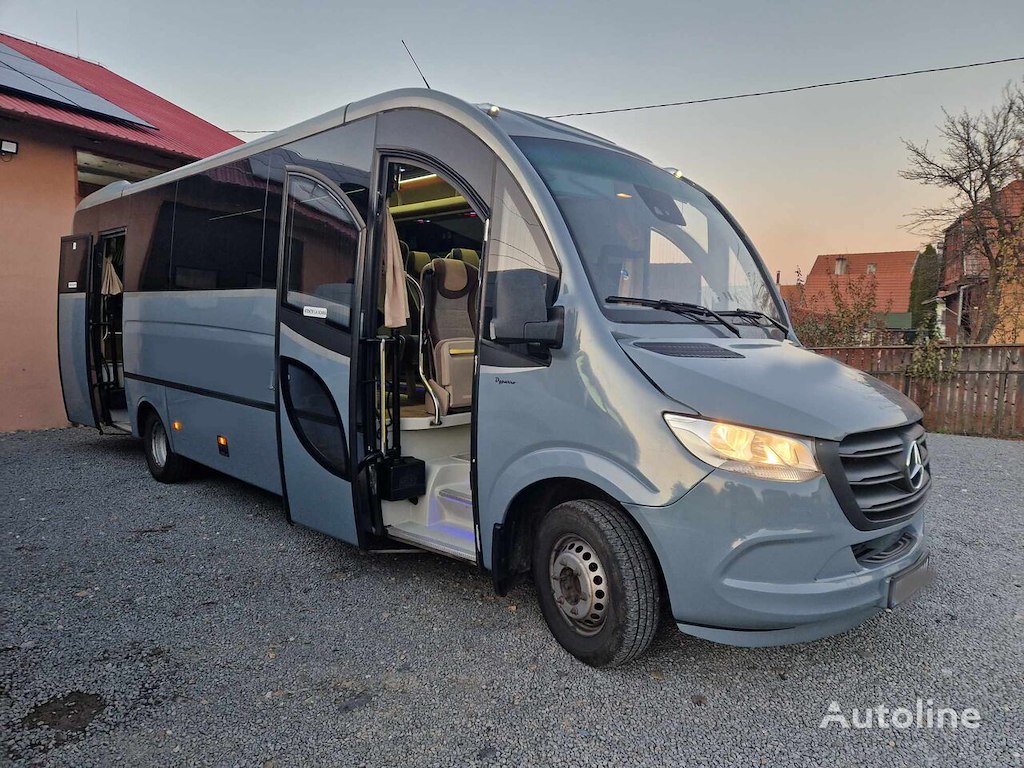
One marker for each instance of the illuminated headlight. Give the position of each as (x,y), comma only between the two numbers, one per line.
(747,451)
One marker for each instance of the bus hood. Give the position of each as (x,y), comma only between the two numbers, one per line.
(770,384)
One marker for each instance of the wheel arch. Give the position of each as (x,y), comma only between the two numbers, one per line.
(142,411)
(512,539)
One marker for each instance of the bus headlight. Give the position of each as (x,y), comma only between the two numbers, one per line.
(747,451)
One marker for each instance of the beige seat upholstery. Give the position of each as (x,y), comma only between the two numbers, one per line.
(466,255)
(449,321)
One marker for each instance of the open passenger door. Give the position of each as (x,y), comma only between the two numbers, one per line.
(73,358)
(321,239)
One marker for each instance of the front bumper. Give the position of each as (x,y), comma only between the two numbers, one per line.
(750,562)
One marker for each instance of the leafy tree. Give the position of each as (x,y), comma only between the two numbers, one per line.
(928,360)
(848,316)
(924,285)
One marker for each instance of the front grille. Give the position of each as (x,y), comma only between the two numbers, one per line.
(874,467)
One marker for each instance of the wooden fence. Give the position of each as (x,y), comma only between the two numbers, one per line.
(983,396)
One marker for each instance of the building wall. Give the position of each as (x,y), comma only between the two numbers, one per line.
(37,203)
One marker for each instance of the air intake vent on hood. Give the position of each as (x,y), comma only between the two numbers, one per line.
(682,349)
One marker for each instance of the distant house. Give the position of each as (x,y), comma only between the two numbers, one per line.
(791,294)
(67,128)
(892,272)
(965,275)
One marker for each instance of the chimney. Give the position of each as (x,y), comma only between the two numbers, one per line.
(778,277)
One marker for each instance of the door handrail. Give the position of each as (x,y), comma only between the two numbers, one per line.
(436,421)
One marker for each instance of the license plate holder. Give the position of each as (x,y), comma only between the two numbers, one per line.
(908,583)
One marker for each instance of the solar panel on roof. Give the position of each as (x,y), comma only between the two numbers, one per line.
(20,74)
(12,79)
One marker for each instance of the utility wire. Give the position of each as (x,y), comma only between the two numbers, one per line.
(788,90)
(761,93)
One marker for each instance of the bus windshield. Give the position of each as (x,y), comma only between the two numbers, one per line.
(644,233)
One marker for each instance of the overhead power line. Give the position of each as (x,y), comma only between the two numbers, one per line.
(794,89)
(773,92)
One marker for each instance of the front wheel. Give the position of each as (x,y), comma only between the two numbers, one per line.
(164,464)
(596,582)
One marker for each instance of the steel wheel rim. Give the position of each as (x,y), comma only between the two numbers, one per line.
(158,444)
(579,584)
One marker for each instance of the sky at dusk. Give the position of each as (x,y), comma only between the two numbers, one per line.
(805,173)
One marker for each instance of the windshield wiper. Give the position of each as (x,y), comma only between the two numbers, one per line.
(694,311)
(753,314)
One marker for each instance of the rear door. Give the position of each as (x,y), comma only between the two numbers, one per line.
(73,329)
(321,239)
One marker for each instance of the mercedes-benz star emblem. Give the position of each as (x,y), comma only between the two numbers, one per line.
(915,467)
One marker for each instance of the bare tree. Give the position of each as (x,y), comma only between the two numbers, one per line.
(981,155)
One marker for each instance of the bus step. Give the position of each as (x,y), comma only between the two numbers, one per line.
(444,537)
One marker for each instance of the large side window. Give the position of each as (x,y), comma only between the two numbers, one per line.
(321,247)
(218,230)
(522,272)
(148,239)
(342,154)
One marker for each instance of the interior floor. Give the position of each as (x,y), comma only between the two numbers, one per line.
(442,521)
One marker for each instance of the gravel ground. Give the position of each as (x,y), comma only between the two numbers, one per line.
(190,625)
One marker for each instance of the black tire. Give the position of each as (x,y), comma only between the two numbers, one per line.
(165,466)
(620,597)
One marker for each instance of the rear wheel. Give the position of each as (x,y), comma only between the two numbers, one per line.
(164,464)
(596,582)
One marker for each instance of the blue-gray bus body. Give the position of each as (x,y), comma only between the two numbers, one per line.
(494,336)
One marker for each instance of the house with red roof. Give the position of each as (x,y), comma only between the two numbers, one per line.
(891,273)
(67,128)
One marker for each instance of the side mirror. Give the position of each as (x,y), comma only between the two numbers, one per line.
(521,313)
(549,332)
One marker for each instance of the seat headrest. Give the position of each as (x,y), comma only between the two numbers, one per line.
(452,275)
(467,255)
(416,261)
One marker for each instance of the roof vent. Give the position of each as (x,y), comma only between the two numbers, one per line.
(687,349)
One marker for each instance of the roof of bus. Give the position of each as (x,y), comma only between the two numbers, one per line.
(494,127)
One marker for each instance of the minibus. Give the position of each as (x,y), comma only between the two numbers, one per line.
(431,325)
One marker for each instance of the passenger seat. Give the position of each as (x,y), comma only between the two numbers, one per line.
(466,255)
(416,262)
(449,316)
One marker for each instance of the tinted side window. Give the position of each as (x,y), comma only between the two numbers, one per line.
(343,155)
(314,416)
(321,248)
(148,239)
(218,230)
(73,258)
(522,273)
